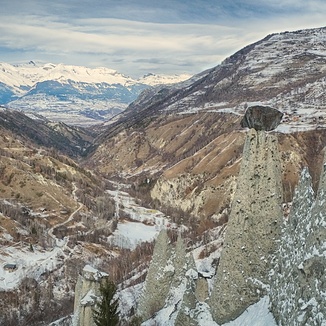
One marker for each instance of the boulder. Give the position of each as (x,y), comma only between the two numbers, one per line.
(261,118)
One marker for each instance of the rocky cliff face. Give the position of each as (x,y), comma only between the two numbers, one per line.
(191,193)
(298,281)
(253,228)
(158,279)
(86,294)
(171,283)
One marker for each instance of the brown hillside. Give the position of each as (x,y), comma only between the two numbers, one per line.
(194,160)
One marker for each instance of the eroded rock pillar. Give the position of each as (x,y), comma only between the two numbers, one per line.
(252,231)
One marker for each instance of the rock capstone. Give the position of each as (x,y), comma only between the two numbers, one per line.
(261,118)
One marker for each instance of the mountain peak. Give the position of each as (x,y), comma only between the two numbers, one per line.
(157,79)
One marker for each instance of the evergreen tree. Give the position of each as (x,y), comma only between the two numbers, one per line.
(105,312)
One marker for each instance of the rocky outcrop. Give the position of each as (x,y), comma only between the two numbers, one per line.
(253,228)
(171,282)
(242,274)
(188,313)
(261,118)
(193,194)
(299,281)
(180,262)
(159,278)
(286,274)
(86,294)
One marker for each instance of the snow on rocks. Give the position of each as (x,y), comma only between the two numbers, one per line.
(257,314)
(298,280)
(86,294)
(89,299)
(92,274)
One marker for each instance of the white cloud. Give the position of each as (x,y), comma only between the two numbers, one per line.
(112,37)
(58,34)
(286,6)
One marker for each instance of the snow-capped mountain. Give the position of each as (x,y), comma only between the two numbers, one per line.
(73,94)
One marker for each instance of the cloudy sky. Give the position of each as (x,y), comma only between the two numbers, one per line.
(141,36)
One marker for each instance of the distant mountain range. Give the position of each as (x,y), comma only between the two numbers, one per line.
(73,94)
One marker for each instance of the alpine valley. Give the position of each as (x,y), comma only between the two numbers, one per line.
(202,200)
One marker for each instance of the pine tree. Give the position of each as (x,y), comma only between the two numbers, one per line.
(105,312)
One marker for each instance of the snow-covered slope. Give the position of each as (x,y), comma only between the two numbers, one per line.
(286,71)
(73,94)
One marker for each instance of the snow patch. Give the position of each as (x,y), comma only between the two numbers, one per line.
(257,314)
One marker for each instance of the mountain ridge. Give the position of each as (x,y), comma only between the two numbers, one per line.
(283,70)
(32,73)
